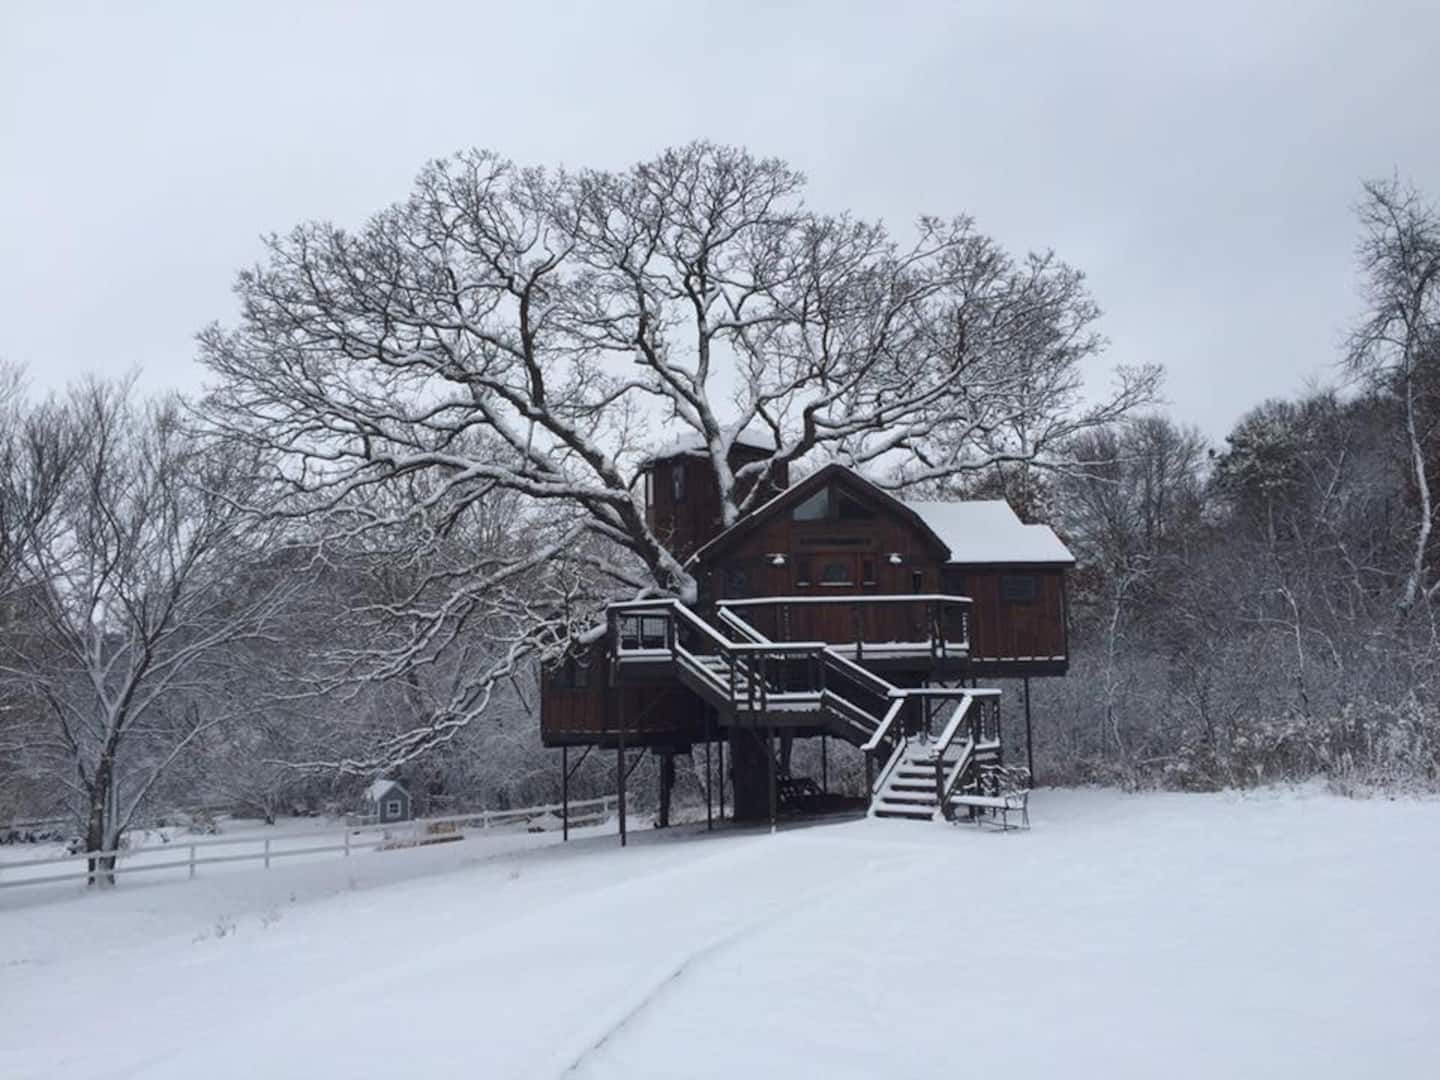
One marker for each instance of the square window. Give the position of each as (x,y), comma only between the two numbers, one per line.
(1019,588)
(392,808)
(836,572)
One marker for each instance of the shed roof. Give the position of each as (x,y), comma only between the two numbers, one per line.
(988,531)
(380,788)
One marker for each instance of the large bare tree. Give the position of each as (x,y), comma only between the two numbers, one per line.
(536,332)
(138,573)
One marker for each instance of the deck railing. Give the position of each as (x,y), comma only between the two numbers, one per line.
(943,621)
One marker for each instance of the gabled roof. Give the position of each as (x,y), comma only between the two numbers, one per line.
(798,492)
(979,531)
(988,531)
(380,788)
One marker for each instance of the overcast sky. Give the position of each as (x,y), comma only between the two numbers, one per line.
(1202,168)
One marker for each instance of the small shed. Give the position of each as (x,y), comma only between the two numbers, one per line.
(387,801)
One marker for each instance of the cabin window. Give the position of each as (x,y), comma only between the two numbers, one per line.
(867,571)
(1019,588)
(831,504)
(392,808)
(802,570)
(836,541)
(836,572)
(649,475)
(677,481)
(815,508)
(570,675)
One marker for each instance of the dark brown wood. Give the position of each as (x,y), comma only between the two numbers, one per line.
(1010,636)
(686,512)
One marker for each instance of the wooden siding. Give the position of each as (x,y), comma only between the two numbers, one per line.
(1010,633)
(856,558)
(688,522)
(653,715)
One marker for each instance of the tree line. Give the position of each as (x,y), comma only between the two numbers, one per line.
(415,476)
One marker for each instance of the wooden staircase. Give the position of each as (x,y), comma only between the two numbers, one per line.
(754,682)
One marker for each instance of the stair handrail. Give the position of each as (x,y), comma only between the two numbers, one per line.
(945,786)
(735,622)
(951,729)
(883,687)
(883,729)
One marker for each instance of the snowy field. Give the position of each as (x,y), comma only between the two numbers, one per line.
(1270,935)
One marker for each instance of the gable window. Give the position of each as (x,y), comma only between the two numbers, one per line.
(836,572)
(831,504)
(1019,588)
(677,481)
(392,808)
(815,508)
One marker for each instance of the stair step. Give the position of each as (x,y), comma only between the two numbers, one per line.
(903,798)
(915,814)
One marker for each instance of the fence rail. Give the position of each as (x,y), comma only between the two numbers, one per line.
(354,838)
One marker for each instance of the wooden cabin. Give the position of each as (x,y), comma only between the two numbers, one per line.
(832,609)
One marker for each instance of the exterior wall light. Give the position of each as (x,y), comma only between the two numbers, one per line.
(777,559)
(895,558)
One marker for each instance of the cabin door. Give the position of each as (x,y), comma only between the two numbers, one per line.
(826,580)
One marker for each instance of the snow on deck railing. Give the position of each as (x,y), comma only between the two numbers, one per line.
(395,834)
(849,598)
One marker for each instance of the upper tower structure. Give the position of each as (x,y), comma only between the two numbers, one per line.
(682,499)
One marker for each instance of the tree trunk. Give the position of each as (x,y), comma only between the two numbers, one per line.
(750,772)
(99,824)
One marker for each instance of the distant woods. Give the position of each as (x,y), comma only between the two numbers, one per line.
(416,478)
(1267,609)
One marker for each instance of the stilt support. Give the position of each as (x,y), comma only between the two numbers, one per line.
(1029,746)
(770,754)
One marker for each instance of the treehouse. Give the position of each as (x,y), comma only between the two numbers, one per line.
(831,610)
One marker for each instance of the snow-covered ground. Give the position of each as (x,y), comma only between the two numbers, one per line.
(1274,935)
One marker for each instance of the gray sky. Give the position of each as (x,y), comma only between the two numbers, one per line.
(1201,167)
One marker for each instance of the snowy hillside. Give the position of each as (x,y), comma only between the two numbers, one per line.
(1275,935)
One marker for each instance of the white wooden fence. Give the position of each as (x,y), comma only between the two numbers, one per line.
(189,854)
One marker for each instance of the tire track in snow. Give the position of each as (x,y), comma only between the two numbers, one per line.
(877,869)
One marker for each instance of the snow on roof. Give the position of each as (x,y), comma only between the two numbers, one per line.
(692,442)
(988,531)
(379,789)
